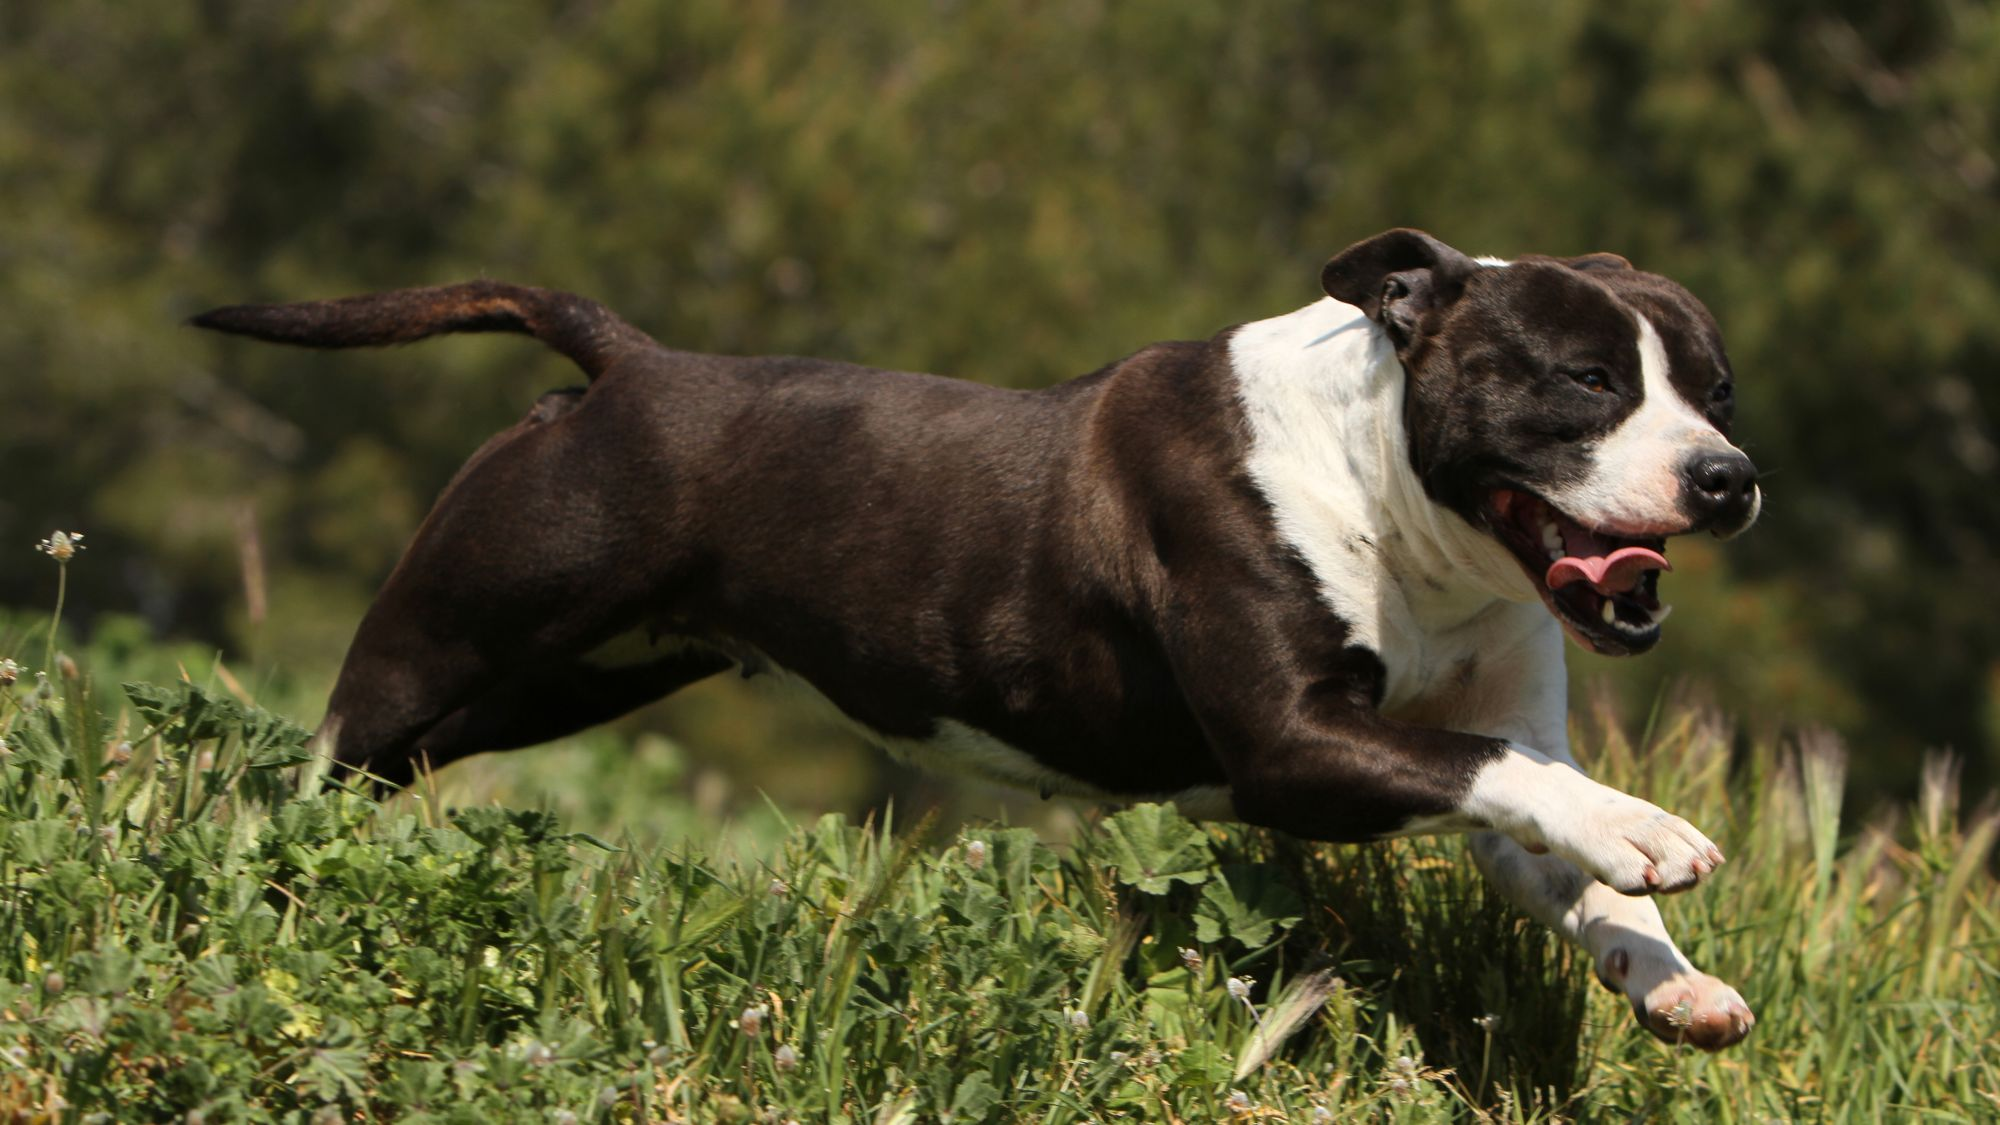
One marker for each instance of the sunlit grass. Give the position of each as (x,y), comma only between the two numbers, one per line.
(195,925)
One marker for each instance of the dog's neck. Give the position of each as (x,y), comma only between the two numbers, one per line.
(1322,391)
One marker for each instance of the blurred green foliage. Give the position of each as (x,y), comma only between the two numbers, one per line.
(1010,192)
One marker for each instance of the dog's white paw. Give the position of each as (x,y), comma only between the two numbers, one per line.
(1678,1004)
(1633,846)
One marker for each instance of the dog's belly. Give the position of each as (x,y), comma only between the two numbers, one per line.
(951,747)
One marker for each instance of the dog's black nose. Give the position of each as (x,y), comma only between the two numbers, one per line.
(1721,489)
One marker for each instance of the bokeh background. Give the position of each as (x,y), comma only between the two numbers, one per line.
(1015,193)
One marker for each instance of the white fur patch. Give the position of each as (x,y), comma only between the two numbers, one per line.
(1322,391)
(1540,801)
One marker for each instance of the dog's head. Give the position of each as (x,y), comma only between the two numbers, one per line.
(1575,409)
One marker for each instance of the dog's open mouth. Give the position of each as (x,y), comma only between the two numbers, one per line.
(1605,588)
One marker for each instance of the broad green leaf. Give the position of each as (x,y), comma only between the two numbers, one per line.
(1153,847)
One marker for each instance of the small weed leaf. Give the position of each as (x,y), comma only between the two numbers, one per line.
(159,703)
(1248,902)
(1153,847)
(975,1099)
(37,743)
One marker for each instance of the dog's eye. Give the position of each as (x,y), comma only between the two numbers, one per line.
(1592,379)
(1723,392)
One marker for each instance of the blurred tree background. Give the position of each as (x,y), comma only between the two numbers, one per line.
(1009,192)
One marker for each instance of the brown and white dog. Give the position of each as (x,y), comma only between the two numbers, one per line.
(1312,573)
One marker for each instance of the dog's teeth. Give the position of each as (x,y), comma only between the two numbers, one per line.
(1552,538)
(1555,554)
(1661,613)
(1610,613)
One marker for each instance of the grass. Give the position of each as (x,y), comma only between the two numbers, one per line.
(196,926)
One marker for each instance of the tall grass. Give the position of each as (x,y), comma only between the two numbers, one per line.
(195,925)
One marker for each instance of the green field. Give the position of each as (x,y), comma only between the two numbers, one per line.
(196,926)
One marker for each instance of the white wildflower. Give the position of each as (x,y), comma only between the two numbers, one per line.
(1191,958)
(785,1058)
(975,854)
(1239,987)
(1238,1102)
(61,546)
(751,1021)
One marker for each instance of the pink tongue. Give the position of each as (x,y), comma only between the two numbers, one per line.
(1614,573)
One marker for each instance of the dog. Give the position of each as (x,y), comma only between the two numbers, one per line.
(1312,573)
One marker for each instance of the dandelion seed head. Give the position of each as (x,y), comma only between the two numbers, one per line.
(785,1058)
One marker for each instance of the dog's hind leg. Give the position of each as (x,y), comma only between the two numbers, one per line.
(524,565)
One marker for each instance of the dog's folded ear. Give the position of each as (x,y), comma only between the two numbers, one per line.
(1396,277)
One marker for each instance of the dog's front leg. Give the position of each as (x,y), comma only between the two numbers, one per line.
(1625,937)
(1627,941)
(1356,775)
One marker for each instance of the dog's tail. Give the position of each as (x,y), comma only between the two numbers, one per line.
(591,335)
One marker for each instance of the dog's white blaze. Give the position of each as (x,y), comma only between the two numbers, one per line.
(1634,483)
(1322,391)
